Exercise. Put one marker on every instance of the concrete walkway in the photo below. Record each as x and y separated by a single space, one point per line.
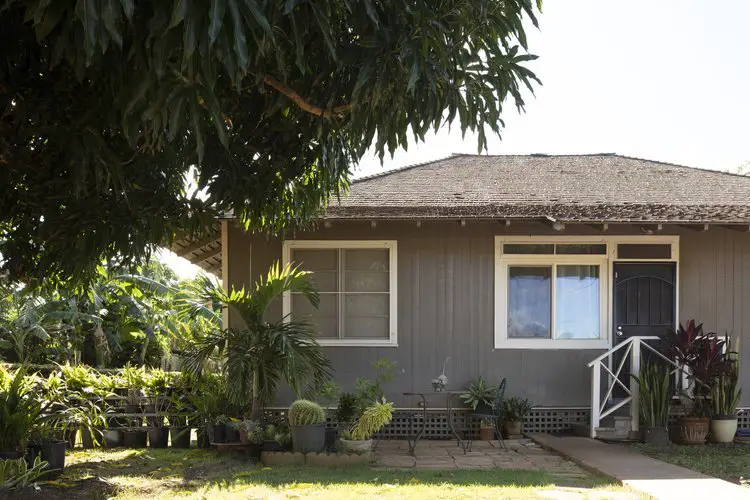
648 475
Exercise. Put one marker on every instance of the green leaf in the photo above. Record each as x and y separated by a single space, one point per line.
240 42
216 19
259 17
127 8
178 13
89 17
110 18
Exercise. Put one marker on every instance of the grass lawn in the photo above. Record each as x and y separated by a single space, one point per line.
136 474
729 462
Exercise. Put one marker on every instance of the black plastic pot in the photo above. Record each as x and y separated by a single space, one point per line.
70 436
331 435
203 439
254 451
218 433
87 440
158 437
113 438
54 453
306 438
180 437
10 455
134 439
231 435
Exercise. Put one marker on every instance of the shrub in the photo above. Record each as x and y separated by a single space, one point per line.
374 418
515 409
304 412
18 474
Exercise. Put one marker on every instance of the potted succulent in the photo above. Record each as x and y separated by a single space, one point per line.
308 425
486 430
655 395
251 434
359 438
276 437
440 382
515 410
480 396
725 397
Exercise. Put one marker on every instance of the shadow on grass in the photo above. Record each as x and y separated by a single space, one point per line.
102 474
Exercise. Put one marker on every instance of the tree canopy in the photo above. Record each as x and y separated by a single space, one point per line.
106 105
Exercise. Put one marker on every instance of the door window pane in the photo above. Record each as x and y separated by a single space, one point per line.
644 251
577 302
529 302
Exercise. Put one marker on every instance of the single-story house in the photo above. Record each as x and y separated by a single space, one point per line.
519 266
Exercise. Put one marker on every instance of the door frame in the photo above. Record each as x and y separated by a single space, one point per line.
674 241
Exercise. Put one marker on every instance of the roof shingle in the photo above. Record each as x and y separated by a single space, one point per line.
575 188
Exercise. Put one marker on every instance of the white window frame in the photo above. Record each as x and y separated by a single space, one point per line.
606 276
392 246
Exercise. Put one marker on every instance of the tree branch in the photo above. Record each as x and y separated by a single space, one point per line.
337 112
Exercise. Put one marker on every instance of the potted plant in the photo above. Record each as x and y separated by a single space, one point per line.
486 430
515 410
276 437
702 354
440 382
655 395
329 394
307 421
480 396
20 412
374 418
725 397
251 434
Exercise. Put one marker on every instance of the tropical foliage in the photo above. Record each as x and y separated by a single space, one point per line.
267 104
655 394
259 353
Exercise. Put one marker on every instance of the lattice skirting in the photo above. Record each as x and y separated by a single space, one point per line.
407 422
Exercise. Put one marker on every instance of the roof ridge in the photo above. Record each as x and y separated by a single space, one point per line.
541 155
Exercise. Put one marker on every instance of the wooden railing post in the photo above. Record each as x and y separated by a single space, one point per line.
635 371
595 395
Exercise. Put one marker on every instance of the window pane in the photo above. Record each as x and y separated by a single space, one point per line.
577 306
322 264
366 270
581 249
529 302
323 319
644 251
524 249
367 316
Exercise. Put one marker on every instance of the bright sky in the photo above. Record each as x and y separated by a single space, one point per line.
666 80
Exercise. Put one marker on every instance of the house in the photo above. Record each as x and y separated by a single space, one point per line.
525 267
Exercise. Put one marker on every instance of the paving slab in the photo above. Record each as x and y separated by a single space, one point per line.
658 479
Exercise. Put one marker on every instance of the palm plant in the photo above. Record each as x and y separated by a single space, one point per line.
22 319
261 353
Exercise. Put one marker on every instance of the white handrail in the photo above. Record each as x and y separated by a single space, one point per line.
619 346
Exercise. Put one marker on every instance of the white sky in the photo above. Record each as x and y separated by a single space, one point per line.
665 80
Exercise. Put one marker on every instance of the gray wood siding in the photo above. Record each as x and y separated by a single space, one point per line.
446 304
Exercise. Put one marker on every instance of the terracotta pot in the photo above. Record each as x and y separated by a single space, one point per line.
723 428
486 433
693 430
352 446
513 429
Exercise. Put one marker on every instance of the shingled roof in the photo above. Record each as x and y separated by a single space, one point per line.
565 188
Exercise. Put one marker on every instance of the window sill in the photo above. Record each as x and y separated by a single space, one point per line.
551 344
353 343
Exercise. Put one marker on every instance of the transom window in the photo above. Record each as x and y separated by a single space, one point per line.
356 282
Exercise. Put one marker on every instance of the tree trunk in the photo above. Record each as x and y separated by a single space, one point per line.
256 412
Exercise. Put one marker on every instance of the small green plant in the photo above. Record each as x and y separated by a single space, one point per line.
78 378
347 407
329 393
654 394
304 412
156 383
370 391
725 393
20 410
484 423
254 430
16 474
515 409
374 418
480 392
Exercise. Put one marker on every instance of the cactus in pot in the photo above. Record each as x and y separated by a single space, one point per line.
308 424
